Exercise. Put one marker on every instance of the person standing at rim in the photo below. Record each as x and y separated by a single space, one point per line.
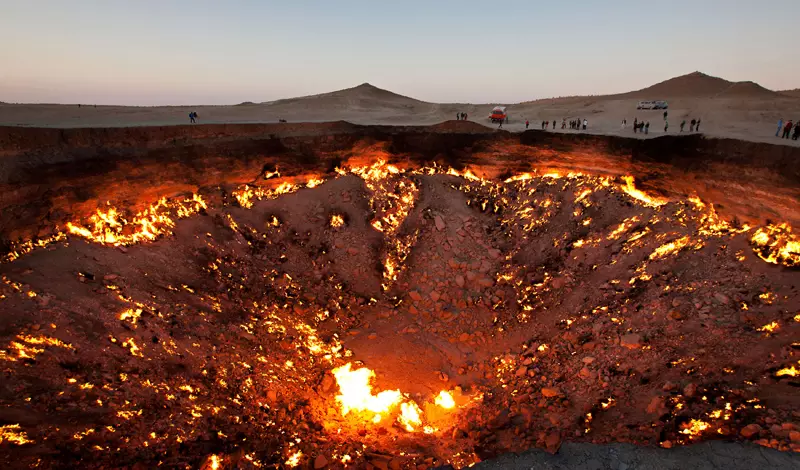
647 127
796 134
692 124
527 124
585 123
787 129
554 124
697 127
683 123
635 124
780 127
666 126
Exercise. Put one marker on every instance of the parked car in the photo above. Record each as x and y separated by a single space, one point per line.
499 114
652 105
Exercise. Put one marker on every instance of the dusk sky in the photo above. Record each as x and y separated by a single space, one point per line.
153 52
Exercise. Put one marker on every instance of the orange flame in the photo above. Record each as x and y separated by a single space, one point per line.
356 392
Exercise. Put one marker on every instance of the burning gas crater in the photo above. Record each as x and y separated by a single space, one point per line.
507 313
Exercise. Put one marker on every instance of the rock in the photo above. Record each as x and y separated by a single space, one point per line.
435 296
440 226
750 430
586 373
690 390
320 462
327 383
722 298
630 341
668 386
676 315
552 442
667 444
522 371
380 464
272 396
794 436
460 280
551 392
352 251
443 376
394 464
587 360
463 337
494 253
657 406
110 277
415 296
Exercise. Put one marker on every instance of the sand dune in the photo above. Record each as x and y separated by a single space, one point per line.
743 110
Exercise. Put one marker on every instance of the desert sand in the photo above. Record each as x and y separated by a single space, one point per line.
740 110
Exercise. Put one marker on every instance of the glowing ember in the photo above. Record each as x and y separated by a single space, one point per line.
445 400
356 392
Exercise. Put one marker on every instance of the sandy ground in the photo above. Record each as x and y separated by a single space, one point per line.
745 115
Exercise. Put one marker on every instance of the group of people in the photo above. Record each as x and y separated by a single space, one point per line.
644 126
192 117
638 126
787 129
573 124
461 116
694 125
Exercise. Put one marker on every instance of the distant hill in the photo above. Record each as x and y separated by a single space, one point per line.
747 90
794 93
362 96
695 84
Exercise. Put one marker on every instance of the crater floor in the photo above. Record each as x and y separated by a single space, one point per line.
396 317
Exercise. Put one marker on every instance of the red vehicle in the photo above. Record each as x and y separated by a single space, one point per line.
498 114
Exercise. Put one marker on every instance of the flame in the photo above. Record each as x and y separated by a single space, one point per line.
294 459
777 244
10 433
791 371
445 400
694 428
337 221
669 248
770 327
246 195
639 195
112 228
24 347
356 392
409 416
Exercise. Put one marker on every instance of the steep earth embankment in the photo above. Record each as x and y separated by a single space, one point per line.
51 176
